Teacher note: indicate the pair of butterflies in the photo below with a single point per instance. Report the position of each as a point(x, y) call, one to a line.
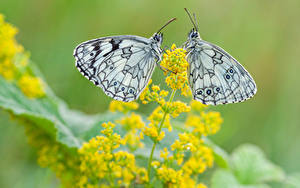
point(123, 65)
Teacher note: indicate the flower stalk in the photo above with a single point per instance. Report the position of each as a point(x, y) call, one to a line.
point(159, 130)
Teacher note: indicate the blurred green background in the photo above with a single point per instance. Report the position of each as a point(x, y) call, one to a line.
point(263, 35)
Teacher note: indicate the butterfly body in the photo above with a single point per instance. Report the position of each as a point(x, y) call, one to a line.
point(215, 77)
point(120, 65)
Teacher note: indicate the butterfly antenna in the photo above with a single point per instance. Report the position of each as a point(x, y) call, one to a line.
point(195, 26)
point(196, 21)
point(173, 19)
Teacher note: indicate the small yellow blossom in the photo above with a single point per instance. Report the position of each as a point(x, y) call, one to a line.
point(157, 116)
point(155, 164)
point(7, 69)
point(177, 108)
point(151, 131)
point(31, 86)
point(133, 121)
point(8, 49)
point(155, 94)
point(169, 176)
point(198, 106)
point(164, 154)
point(123, 107)
point(133, 140)
point(206, 124)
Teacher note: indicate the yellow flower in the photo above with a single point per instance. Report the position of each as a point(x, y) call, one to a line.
point(177, 108)
point(206, 124)
point(8, 49)
point(213, 122)
point(7, 69)
point(198, 106)
point(155, 164)
point(174, 60)
point(169, 176)
point(100, 162)
point(31, 86)
point(151, 131)
point(157, 116)
point(155, 94)
point(123, 107)
point(131, 122)
point(164, 154)
point(133, 140)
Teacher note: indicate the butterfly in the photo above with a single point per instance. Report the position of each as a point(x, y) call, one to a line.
point(121, 65)
point(214, 76)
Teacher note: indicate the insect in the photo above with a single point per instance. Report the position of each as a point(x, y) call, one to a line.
point(214, 76)
point(120, 65)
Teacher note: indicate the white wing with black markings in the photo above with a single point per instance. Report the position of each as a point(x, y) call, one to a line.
point(120, 65)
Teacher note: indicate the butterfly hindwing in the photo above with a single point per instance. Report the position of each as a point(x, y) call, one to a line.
point(215, 77)
point(120, 65)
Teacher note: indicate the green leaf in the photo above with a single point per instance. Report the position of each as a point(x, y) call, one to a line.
point(292, 181)
point(221, 156)
point(225, 179)
point(250, 166)
point(69, 127)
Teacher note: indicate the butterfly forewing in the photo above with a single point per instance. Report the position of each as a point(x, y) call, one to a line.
point(215, 77)
point(120, 65)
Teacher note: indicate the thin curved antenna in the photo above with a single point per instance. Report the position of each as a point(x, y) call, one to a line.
point(173, 19)
point(195, 26)
point(196, 21)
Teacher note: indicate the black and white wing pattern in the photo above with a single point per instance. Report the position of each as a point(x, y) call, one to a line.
point(120, 65)
point(215, 77)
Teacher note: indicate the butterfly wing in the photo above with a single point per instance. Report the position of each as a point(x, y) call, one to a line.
point(215, 77)
point(120, 65)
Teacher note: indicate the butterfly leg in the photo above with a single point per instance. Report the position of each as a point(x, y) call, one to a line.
point(164, 68)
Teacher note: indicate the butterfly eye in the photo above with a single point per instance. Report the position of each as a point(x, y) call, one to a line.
point(131, 91)
point(115, 83)
point(91, 54)
point(231, 70)
point(123, 88)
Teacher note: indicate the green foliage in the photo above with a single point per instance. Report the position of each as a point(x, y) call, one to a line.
point(250, 166)
point(248, 169)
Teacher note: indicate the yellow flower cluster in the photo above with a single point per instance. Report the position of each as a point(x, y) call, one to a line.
point(174, 60)
point(123, 107)
point(157, 119)
point(101, 164)
point(54, 155)
point(197, 106)
point(13, 62)
point(174, 178)
point(156, 95)
point(8, 49)
point(31, 86)
point(132, 124)
point(176, 108)
point(200, 158)
point(203, 123)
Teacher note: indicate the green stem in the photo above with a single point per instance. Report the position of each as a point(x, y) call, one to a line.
point(159, 130)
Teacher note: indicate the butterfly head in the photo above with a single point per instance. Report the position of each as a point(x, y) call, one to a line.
point(157, 38)
point(193, 34)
